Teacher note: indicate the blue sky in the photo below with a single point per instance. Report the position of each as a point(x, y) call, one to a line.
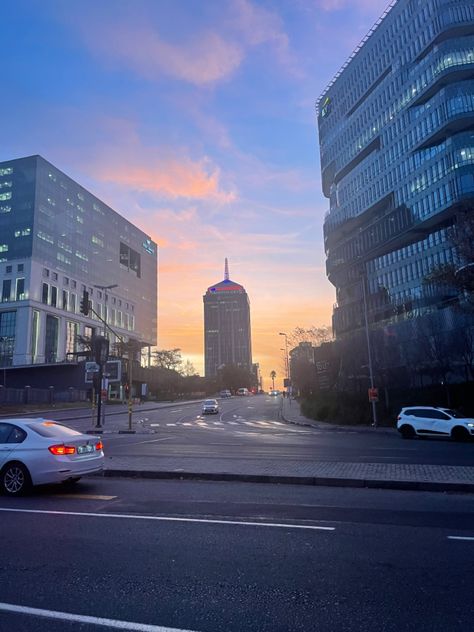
point(196, 121)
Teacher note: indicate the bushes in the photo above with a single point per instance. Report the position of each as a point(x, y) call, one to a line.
point(337, 408)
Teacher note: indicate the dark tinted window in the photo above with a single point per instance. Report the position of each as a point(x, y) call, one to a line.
point(5, 430)
point(17, 435)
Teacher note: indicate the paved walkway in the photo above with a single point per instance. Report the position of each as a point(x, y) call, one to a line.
point(374, 475)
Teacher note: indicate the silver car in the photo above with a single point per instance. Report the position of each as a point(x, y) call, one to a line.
point(210, 407)
point(40, 451)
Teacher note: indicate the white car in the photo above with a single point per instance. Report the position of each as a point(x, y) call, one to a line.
point(429, 421)
point(210, 407)
point(40, 451)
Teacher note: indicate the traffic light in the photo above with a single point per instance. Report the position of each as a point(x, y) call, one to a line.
point(84, 308)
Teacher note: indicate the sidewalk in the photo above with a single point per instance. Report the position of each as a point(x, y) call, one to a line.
point(371, 475)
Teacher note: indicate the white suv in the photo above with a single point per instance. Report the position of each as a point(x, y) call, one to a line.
point(431, 421)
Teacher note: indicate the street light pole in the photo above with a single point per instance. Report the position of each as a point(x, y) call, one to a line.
point(369, 353)
point(287, 365)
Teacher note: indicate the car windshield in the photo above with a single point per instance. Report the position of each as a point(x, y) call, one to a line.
point(210, 402)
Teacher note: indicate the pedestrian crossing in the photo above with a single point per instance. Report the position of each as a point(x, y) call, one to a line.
point(207, 423)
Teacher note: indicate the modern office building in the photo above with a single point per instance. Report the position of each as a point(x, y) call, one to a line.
point(56, 240)
point(227, 338)
point(396, 132)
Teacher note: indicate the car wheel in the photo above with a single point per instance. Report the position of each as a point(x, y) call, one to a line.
point(16, 480)
point(407, 432)
point(460, 434)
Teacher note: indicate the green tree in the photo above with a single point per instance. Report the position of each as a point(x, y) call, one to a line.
point(168, 359)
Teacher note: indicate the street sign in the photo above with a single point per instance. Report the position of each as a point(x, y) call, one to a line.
point(92, 367)
point(373, 394)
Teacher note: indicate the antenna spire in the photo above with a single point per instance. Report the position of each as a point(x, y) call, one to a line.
point(226, 270)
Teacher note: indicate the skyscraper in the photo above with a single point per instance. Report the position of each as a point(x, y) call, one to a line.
point(227, 339)
point(397, 160)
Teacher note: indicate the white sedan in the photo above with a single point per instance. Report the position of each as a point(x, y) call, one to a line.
point(40, 451)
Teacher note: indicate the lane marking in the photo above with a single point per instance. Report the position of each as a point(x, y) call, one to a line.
point(85, 496)
point(88, 514)
point(178, 410)
point(154, 425)
point(81, 618)
point(148, 441)
point(460, 537)
point(171, 424)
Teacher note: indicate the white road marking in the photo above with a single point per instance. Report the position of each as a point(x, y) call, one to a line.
point(85, 496)
point(187, 423)
point(167, 519)
point(233, 423)
point(171, 424)
point(149, 441)
point(460, 537)
point(154, 425)
point(80, 618)
point(178, 410)
point(217, 423)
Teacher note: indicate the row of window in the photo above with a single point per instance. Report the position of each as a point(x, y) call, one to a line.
point(383, 112)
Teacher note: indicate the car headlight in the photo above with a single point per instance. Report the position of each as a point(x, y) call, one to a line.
point(470, 425)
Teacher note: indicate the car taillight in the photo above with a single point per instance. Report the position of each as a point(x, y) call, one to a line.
point(60, 450)
point(399, 417)
point(99, 445)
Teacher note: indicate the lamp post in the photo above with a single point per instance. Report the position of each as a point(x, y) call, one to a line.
point(287, 364)
point(369, 353)
point(102, 385)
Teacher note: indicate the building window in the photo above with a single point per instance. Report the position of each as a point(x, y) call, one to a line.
point(5, 196)
point(130, 259)
point(20, 267)
point(7, 337)
point(20, 289)
point(8, 269)
point(3, 247)
point(51, 339)
point(88, 332)
point(72, 330)
point(6, 290)
point(54, 296)
point(6, 171)
point(44, 293)
point(72, 302)
point(64, 299)
point(34, 336)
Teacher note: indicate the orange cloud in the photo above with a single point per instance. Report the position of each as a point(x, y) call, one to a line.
point(170, 178)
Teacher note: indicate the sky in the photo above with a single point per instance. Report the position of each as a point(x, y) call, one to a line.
point(195, 120)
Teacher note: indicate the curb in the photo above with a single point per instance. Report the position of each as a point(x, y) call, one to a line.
point(424, 486)
point(318, 425)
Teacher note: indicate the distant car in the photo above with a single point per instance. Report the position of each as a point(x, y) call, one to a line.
point(274, 393)
point(41, 451)
point(210, 407)
point(243, 392)
point(432, 421)
point(225, 393)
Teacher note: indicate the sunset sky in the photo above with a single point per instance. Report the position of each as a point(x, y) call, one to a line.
point(195, 120)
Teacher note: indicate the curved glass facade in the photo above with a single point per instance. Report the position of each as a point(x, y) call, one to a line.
point(396, 131)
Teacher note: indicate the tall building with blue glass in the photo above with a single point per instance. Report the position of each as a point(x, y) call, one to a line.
point(396, 132)
point(56, 240)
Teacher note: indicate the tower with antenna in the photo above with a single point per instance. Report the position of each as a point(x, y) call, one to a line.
point(227, 334)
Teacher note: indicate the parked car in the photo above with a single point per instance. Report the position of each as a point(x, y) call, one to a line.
point(40, 451)
point(274, 393)
point(210, 407)
point(225, 393)
point(433, 421)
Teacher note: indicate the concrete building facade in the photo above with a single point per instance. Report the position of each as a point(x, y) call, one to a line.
point(56, 240)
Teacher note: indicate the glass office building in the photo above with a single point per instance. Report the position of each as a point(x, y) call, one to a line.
point(56, 240)
point(396, 132)
point(227, 338)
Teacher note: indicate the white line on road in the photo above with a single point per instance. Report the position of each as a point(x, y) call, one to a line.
point(167, 519)
point(460, 537)
point(80, 618)
point(178, 410)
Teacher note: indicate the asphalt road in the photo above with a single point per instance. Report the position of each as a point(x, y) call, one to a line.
point(251, 428)
point(210, 557)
